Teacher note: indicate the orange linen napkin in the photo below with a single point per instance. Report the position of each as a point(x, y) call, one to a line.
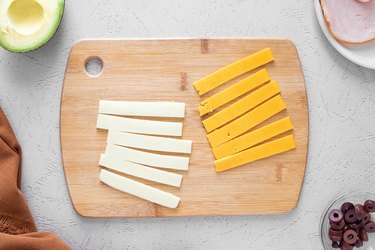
point(17, 227)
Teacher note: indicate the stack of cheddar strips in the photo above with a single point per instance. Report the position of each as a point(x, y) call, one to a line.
point(229, 130)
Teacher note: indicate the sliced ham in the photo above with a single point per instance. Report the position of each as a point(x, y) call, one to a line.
point(350, 21)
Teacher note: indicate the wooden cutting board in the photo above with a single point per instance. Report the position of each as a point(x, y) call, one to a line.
point(164, 70)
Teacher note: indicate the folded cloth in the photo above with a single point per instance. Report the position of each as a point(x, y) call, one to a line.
point(17, 227)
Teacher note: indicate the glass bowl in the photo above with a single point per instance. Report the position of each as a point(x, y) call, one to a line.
point(356, 197)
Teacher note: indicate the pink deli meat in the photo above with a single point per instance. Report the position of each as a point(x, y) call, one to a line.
point(350, 20)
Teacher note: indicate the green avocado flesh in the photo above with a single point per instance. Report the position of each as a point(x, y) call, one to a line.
point(26, 25)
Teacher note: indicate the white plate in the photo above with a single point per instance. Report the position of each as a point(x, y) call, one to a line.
point(361, 54)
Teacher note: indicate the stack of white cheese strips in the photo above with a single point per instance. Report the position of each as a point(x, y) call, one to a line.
point(130, 141)
point(252, 100)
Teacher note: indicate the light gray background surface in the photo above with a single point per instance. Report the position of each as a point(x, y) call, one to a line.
point(342, 117)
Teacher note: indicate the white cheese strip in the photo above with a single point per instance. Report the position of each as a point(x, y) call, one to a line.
point(140, 171)
point(150, 159)
point(139, 189)
point(139, 126)
point(152, 109)
point(155, 143)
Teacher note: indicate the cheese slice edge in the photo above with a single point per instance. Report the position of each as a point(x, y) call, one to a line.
point(247, 121)
point(149, 159)
point(233, 70)
point(139, 189)
point(150, 109)
point(262, 151)
point(238, 89)
point(138, 125)
point(140, 171)
point(252, 138)
point(148, 142)
point(241, 106)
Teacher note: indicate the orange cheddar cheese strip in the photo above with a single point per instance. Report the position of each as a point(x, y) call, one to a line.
point(262, 151)
point(242, 106)
point(234, 91)
point(233, 70)
point(247, 121)
point(252, 138)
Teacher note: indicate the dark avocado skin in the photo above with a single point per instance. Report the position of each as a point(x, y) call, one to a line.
point(62, 9)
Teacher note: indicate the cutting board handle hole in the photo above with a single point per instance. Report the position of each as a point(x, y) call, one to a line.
point(94, 66)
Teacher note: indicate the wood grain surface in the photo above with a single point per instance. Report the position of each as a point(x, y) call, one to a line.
point(164, 70)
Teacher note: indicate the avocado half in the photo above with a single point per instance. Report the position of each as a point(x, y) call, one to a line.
point(26, 25)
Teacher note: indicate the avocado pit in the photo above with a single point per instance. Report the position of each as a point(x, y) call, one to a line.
point(26, 16)
point(26, 25)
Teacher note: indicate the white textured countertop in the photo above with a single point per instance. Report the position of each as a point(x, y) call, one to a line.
point(342, 117)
